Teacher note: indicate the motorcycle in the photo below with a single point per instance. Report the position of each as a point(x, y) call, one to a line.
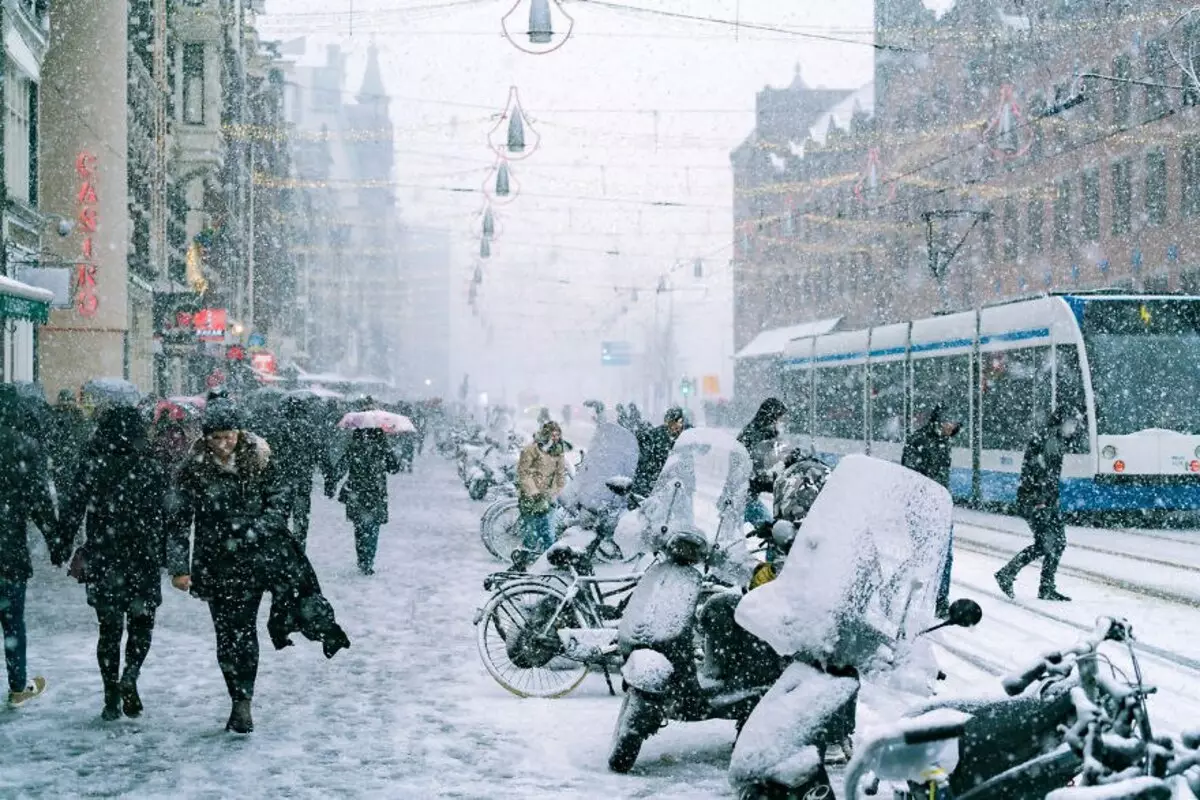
point(658, 632)
point(853, 606)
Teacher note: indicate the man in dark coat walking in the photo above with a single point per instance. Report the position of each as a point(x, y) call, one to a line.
point(296, 450)
point(24, 498)
point(927, 452)
point(654, 446)
point(1037, 502)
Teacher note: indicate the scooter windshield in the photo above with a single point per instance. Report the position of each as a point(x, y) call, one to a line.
point(863, 570)
point(612, 453)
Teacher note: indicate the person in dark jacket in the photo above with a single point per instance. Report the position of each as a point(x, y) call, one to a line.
point(118, 496)
point(654, 446)
point(67, 437)
point(296, 452)
point(24, 498)
point(230, 492)
point(927, 452)
point(759, 437)
point(365, 465)
point(1037, 502)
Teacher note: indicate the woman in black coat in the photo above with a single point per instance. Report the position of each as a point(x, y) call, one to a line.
point(365, 465)
point(117, 495)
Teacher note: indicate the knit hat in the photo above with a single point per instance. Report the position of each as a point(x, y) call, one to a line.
point(221, 415)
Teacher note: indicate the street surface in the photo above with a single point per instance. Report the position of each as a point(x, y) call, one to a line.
point(409, 711)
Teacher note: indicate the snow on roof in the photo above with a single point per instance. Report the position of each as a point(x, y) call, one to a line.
point(771, 342)
point(15, 288)
point(861, 99)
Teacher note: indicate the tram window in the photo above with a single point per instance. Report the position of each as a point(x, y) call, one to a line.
point(1070, 397)
point(839, 402)
point(1016, 396)
point(887, 401)
point(796, 397)
point(944, 381)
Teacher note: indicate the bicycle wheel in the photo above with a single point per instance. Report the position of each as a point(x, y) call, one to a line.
point(513, 648)
point(501, 531)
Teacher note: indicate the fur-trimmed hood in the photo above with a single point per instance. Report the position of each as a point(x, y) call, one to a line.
point(251, 456)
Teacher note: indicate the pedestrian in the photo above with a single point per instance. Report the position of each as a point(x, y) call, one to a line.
point(927, 452)
point(66, 439)
point(1037, 503)
point(230, 492)
point(541, 477)
point(759, 438)
point(365, 464)
point(24, 498)
point(296, 453)
point(654, 446)
point(118, 496)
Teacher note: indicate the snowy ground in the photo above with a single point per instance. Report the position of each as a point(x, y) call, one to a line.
point(409, 712)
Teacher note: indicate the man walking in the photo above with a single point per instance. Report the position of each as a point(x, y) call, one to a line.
point(927, 452)
point(1037, 502)
point(541, 476)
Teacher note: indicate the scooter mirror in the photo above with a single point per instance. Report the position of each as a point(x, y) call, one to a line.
point(964, 613)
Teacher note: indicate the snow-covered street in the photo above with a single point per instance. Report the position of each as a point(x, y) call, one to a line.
point(409, 711)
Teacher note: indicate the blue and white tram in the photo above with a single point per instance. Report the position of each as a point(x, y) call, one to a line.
point(1128, 364)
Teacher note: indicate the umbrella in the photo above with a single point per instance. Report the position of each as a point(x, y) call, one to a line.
point(111, 391)
point(385, 421)
point(178, 409)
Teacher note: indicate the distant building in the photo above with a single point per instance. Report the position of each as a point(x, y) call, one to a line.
point(976, 120)
point(423, 350)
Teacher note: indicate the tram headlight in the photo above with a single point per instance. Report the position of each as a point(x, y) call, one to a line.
point(1110, 452)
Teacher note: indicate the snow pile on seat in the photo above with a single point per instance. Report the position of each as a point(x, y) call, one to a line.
point(864, 566)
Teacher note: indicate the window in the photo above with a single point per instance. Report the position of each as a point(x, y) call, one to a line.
point(1012, 230)
point(1189, 178)
point(1089, 211)
point(1156, 187)
point(1122, 92)
point(1062, 214)
point(944, 381)
point(1015, 386)
point(796, 385)
point(33, 144)
point(887, 401)
point(193, 84)
point(1069, 393)
point(19, 134)
point(1157, 284)
point(1191, 52)
point(1122, 198)
point(1035, 213)
point(839, 402)
point(1156, 72)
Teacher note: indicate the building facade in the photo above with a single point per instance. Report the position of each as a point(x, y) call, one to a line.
point(987, 167)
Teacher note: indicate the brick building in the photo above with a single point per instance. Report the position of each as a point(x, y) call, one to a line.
point(1051, 181)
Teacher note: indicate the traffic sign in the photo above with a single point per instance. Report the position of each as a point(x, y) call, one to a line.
point(616, 354)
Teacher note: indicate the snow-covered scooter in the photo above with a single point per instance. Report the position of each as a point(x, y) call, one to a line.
point(857, 590)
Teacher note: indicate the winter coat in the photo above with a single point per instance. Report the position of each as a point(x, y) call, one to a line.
point(927, 452)
point(297, 603)
point(295, 444)
point(233, 510)
point(118, 494)
point(654, 446)
point(24, 498)
point(365, 465)
point(1041, 469)
point(67, 437)
point(541, 477)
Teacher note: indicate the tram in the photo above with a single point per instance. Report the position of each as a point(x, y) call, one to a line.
point(1128, 365)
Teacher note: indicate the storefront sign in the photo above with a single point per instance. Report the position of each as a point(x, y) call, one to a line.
point(263, 362)
point(87, 301)
point(209, 324)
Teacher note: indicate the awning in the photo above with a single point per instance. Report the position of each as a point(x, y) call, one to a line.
point(22, 301)
point(772, 342)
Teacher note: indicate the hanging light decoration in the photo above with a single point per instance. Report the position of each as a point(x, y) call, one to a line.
point(537, 26)
point(489, 223)
point(513, 137)
point(485, 247)
point(501, 186)
point(485, 223)
point(478, 273)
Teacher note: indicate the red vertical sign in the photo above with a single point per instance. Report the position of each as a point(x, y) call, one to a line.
point(87, 301)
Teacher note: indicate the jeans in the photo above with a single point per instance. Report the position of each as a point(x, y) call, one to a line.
point(113, 624)
point(943, 595)
point(536, 532)
point(366, 542)
point(235, 620)
point(12, 621)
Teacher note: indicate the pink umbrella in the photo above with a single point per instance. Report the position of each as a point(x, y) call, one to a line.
point(385, 421)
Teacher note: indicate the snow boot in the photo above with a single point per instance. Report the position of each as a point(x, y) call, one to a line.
point(1054, 595)
point(131, 701)
point(33, 687)
point(240, 720)
point(1005, 581)
point(112, 702)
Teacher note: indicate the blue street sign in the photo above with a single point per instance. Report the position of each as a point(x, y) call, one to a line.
point(616, 354)
point(256, 340)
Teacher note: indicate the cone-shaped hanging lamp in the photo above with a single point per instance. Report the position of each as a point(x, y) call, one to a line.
point(516, 132)
point(541, 27)
point(485, 247)
point(478, 274)
point(489, 223)
point(502, 187)
point(513, 137)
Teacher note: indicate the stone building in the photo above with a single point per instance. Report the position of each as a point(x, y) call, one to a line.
point(988, 167)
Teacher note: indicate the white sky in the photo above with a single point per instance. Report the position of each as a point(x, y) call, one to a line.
point(604, 157)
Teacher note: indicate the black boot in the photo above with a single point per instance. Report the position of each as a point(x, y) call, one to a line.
point(131, 701)
point(112, 702)
point(1005, 581)
point(1053, 594)
point(240, 720)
